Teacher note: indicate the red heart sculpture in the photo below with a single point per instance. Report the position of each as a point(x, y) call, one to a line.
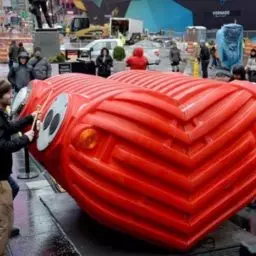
point(169, 165)
point(192, 164)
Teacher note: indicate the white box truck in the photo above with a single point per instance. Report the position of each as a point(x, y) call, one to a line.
point(126, 26)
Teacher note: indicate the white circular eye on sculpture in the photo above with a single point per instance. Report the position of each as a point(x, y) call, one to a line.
point(19, 100)
point(52, 122)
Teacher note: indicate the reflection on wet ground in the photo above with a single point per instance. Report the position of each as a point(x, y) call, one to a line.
point(40, 235)
point(91, 238)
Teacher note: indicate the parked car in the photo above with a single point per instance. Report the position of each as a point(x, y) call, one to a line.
point(93, 49)
point(151, 50)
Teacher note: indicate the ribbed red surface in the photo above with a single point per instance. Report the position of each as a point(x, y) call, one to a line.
point(170, 165)
point(78, 84)
point(82, 89)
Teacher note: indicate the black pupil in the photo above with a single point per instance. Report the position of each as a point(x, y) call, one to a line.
point(48, 119)
point(54, 124)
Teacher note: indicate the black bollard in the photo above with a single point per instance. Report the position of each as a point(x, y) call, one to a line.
point(27, 174)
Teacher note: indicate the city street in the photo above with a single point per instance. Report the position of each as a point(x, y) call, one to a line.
point(111, 159)
point(163, 66)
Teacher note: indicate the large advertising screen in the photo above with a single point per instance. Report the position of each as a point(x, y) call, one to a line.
point(214, 13)
point(176, 14)
point(100, 10)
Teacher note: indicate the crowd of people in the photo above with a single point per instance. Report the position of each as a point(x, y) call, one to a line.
point(208, 58)
point(24, 68)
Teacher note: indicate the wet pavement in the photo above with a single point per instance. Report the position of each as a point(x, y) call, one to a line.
point(91, 238)
point(4, 69)
point(40, 234)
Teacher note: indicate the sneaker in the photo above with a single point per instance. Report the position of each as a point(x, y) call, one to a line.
point(15, 232)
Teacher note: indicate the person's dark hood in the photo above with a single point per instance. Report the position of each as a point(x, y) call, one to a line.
point(23, 55)
point(138, 52)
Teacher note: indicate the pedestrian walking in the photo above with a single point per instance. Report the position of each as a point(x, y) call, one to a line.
point(8, 146)
point(175, 58)
point(251, 66)
point(138, 60)
point(104, 62)
point(204, 58)
point(215, 62)
point(21, 73)
point(12, 53)
point(41, 67)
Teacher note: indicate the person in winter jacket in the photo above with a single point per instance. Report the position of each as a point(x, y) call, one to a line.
point(42, 68)
point(104, 62)
point(13, 54)
point(251, 66)
point(9, 145)
point(175, 58)
point(138, 60)
point(21, 73)
point(215, 62)
point(204, 58)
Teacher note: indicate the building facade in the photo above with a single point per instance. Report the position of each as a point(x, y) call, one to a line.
point(175, 14)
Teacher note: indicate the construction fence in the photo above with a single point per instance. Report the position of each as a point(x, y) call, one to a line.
point(5, 40)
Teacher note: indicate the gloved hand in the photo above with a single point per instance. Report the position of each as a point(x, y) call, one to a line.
point(30, 134)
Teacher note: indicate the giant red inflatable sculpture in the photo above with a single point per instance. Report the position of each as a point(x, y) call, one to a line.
point(167, 163)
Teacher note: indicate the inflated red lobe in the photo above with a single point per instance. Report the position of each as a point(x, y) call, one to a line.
point(199, 162)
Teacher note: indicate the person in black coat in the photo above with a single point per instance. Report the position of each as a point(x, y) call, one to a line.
point(9, 145)
point(104, 62)
point(7, 129)
point(204, 58)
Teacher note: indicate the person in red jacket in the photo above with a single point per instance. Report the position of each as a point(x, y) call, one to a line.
point(138, 60)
